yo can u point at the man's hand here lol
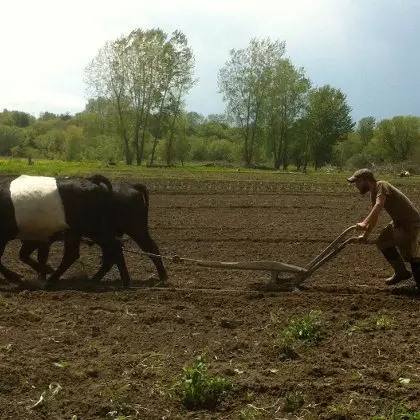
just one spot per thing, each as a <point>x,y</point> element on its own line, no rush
<point>362,239</point>
<point>362,225</point>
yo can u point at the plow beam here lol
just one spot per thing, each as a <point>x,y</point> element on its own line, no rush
<point>254,265</point>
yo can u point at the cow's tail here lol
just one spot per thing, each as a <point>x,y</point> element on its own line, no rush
<point>142,189</point>
<point>100,179</point>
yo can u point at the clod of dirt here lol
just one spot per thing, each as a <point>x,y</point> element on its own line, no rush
<point>230,323</point>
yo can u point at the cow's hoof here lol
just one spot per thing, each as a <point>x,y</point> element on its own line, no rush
<point>42,278</point>
<point>50,285</point>
<point>14,277</point>
<point>49,269</point>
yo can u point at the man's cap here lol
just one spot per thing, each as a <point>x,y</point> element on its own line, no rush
<point>362,174</point>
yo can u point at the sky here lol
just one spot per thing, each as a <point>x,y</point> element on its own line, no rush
<point>369,49</point>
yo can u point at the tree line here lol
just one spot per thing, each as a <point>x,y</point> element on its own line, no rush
<point>135,112</point>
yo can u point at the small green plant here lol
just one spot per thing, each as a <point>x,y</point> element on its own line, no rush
<point>338,411</point>
<point>63,364</point>
<point>306,328</point>
<point>383,322</point>
<point>379,322</point>
<point>286,348</point>
<point>293,401</point>
<point>249,413</point>
<point>400,412</point>
<point>198,389</point>
<point>120,403</point>
<point>48,395</point>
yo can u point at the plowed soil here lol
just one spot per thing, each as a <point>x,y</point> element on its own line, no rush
<point>114,354</point>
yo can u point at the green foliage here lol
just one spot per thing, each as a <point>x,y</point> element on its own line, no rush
<point>384,322</point>
<point>249,413</point>
<point>16,119</point>
<point>286,103</point>
<point>143,77</point>
<point>349,149</point>
<point>245,81</point>
<point>339,411</point>
<point>400,412</point>
<point>199,149</point>
<point>306,328</point>
<point>329,120</point>
<point>365,129</point>
<point>374,323</point>
<point>197,389</point>
<point>10,138</point>
<point>221,150</point>
<point>293,401</point>
<point>399,136</point>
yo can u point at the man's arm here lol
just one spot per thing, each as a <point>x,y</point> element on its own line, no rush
<point>370,222</point>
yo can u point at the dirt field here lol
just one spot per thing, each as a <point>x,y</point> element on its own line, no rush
<point>115,354</point>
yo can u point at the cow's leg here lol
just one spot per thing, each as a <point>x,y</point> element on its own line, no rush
<point>112,253</point>
<point>121,265</point>
<point>147,244</point>
<point>71,255</point>
<point>40,266</point>
<point>43,254</point>
<point>8,274</point>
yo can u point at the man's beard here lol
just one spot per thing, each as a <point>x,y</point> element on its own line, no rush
<point>364,189</point>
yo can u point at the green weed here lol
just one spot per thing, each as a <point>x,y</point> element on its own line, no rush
<point>198,389</point>
<point>293,401</point>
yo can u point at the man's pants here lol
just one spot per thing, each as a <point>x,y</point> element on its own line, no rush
<point>405,238</point>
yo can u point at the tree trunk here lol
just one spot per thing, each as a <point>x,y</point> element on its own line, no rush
<point>136,144</point>
<point>170,140</point>
<point>143,139</point>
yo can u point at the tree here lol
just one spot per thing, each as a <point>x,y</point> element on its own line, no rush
<point>144,55</point>
<point>286,101</point>
<point>182,66</point>
<point>10,137</point>
<point>194,120</point>
<point>106,77</point>
<point>328,120</point>
<point>399,136</point>
<point>141,74</point>
<point>245,81</point>
<point>74,139</point>
<point>16,118</point>
<point>366,128</point>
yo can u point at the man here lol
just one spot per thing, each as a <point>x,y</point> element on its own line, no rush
<point>398,241</point>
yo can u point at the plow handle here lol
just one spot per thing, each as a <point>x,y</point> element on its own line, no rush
<point>332,246</point>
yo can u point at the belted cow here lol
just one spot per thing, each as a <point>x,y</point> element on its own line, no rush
<point>129,215</point>
<point>38,208</point>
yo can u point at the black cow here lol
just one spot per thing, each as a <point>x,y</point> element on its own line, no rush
<point>130,209</point>
<point>36,209</point>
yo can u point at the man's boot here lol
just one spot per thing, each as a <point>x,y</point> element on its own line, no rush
<point>415,266</point>
<point>400,271</point>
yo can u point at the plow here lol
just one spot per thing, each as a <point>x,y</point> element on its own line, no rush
<point>295,275</point>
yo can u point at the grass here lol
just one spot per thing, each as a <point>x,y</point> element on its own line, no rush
<point>304,328</point>
<point>379,322</point>
<point>188,171</point>
<point>197,389</point>
<point>293,401</point>
<point>400,412</point>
